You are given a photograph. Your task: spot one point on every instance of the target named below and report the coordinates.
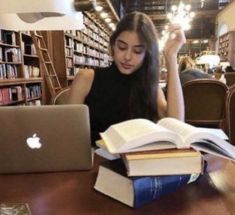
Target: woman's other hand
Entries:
(175, 41)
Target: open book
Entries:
(143, 134)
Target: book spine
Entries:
(147, 189)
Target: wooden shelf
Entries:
(17, 69)
(87, 48)
(18, 81)
(227, 47)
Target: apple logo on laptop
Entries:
(34, 142)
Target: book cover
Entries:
(163, 162)
(135, 192)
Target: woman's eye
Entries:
(122, 47)
(138, 51)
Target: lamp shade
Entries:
(39, 15)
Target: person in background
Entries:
(186, 62)
(191, 74)
(229, 69)
(129, 87)
(188, 70)
(163, 75)
(219, 74)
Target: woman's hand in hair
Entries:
(175, 100)
(175, 40)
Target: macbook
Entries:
(44, 138)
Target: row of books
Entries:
(15, 93)
(28, 48)
(33, 91)
(36, 102)
(10, 55)
(90, 23)
(8, 71)
(83, 60)
(31, 71)
(10, 94)
(8, 37)
(155, 159)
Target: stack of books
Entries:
(155, 159)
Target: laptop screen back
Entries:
(44, 138)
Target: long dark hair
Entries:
(142, 102)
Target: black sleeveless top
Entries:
(108, 99)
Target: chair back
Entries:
(230, 114)
(205, 102)
(61, 97)
(230, 78)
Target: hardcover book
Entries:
(136, 191)
(163, 162)
(143, 134)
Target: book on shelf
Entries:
(1, 98)
(163, 162)
(136, 191)
(143, 134)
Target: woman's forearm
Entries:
(175, 100)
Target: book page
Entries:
(215, 142)
(216, 131)
(211, 148)
(130, 134)
(134, 129)
(160, 145)
(193, 135)
(181, 128)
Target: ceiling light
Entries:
(98, 8)
(180, 15)
(195, 41)
(107, 20)
(103, 15)
(202, 3)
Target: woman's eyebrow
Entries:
(137, 46)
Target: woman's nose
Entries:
(128, 54)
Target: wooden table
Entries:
(72, 193)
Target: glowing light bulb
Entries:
(180, 15)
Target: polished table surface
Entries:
(72, 193)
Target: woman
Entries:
(129, 87)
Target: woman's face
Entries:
(128, 52)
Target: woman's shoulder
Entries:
(89, 75)
(86, 75)
(103, 70)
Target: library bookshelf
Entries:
(21, 81)
(227, 47)
(79, 49)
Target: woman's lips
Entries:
(126, 66)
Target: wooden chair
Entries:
(230, 114)
(205, 102)
(61, 97)
(230, 78)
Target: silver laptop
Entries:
(44, 138)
